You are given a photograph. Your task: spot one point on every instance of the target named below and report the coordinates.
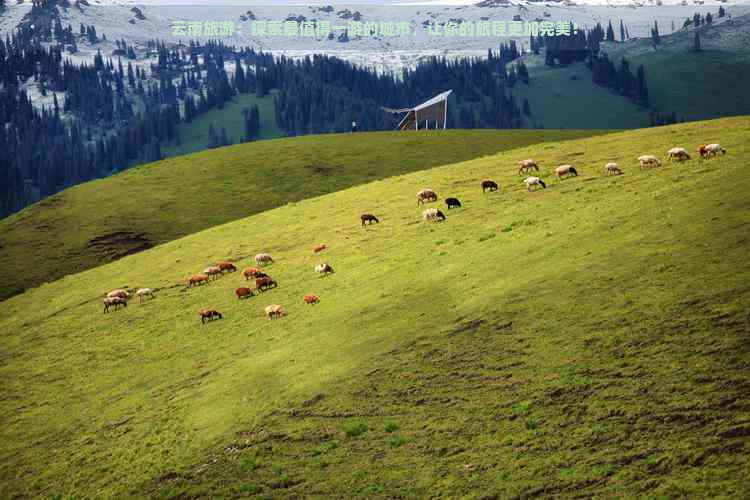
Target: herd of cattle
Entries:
(263, 282)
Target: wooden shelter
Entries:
(432, 113)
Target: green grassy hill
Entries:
(102, 220)
(695, 85)
(194, 135)
(585, 340)
(560, 96)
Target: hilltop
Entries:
(102, 220)
(588, 339)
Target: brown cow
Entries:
(311, 298)
(243, 292)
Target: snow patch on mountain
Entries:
(117, 20)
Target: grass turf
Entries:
(588, 339)
(103, 220)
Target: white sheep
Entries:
(678, 154)
(214, 271)
(565, 170)
(714, 149)
(433, 214)
(263, 258)
(612, 169)
(274, 311)
(115, 302)
(143, 293)
(527, 166)
(534, 181)
(649, 160)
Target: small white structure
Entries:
(429, 114)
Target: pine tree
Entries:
(213, 139)
(697, 41)
(526, 107)
(224, 138)
(655, 37)
(709, 18)
(622, 31)
(641, 86)
(721, 11)
(610, 33)
(523, 72)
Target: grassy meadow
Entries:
(696, 85)
(194, 135)
(590, 339)
(563, 96)
(99, 221)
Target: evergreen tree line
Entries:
(585, 46)
(619, 78)
(322, 94)
(95, 128)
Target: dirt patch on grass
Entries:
(321, 169)
(116, 245)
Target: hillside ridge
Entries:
(588, 338)
(142, 207)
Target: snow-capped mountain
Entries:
(137, 22)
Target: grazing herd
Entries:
(119, 298)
